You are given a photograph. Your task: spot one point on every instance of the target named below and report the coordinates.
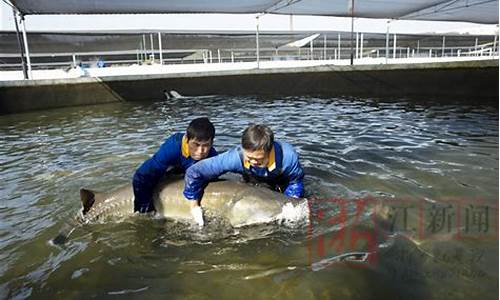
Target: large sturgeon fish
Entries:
(238, 203)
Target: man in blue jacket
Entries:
(177, 153)
(259, 159)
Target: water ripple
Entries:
(348, 147)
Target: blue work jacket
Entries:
(283, 171)
(172, 155)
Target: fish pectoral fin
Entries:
(88, 199)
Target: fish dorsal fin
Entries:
(88, 199)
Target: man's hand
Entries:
(197, 213)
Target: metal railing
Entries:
(321, 49)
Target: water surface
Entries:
(350, 148)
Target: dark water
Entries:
(399, 152)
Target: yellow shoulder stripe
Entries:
(271, 164)
(185, 147)
(246, 164)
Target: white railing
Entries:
(335, 51)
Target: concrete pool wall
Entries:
(471, 80)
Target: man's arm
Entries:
(149, 173)
(199, 174)
(294, 173)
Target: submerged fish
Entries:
(238, 203)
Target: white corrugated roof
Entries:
(478, 11)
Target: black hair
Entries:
(257, 137)
(201, 129)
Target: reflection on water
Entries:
(350, 148)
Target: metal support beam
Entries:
(257, 43)
(494, 45)
(338, 46)
(26, 47)
(140, 52)
(152, 48)
(361, 45)
(21, 46)
(357, 46)
(475, 48)
(144, 47)
(442, 47)
(160, 48)
(387, 42)
(394, 47)
(324, 47)
(352, 31)
(311, 50)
